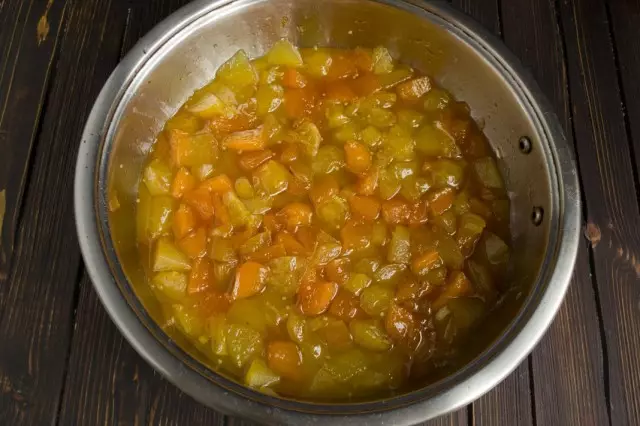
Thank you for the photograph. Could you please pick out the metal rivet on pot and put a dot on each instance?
(525, 145)
(537, 215)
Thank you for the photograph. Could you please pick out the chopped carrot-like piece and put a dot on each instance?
(237, 123)
(270, 223)
(366, 207)
(296, 215)
(355, 236)
(357, 156)
(413, 90)
(201, 276)
(290, 153)
(220, 184)
(427, 261)
(396, 211)
(338, 270)
(307, 237)
(252, 160)
(368, 183)
(441, 201)
(290, 244)
(194, 245)
(293, 79)
(314, 298)
(366, 84)
(212, 302)
(297, 187)
(184, 221)
(363, 59)
(268, 253)
(222, 213)
(458, 285)
(183, 182)
(250, 280)
(340, 91)
(299, 103)
(419, 213)
(246, 140)
(399, 323)
(201, 201)
(342, 66)
(346, 306)
(285, 359)
(324, 189)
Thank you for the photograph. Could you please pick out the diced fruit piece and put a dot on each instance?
(220, 184)
(293, 79)
(368, 183)
(446, 221)
(333, 213)
(243, 188)
(357, 282)
(243, 343)
(487, 173)
(218, 334)
(272, 178)
(375, 299)
(382, 60)
(399, 322)
(246, 140)
(329, 159)
(338, 270)
(183, 182)
(389, 80)
(200, 200)
(201, 276)
(238, 72)
(208, 105)
(171, 284)
(457, 285)
(296, 214)
(184, 121)
(432, 141)
(250, 280)
(157, 177)
(314, 298)
(426, 262)
(367, 208)
(255, 243)
(249, 312)
(409, 119)
(268, 97)
(400, 246)
(450, 253)
(309, 137)
(167, 257)
(192, 150)
(389, 275)
(238, 213)
(345, 306)
(436, 99)
(482, 281)
(325, 253)
(447, 173)
(355, 236)
(396, 211)
(469, 231)
(284, 53)
(299, 103)
(285, 359)
(358, 157)
(259, 375)
(184, 221)
(187, 320)
(370, 335)
(296, 328)
(251, 160)
(413, 90)
(441, 201)
(221, 250)
(154, 216)
(388, 184)
(194, 244)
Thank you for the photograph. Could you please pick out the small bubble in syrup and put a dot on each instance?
(350, 32)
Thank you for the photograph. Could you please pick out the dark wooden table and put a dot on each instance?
(62, 360)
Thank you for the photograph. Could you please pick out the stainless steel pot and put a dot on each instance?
(183, 52)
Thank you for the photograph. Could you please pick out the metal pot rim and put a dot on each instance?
(461, 388)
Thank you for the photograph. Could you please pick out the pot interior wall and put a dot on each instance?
(188, 60)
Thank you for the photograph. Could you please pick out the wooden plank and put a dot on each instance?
(570, 355)
(24, 74)
(612, 209)
(511, 399)
(625, 26)
(111, 384)
(37, 318)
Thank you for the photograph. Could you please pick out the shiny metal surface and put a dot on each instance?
(182, 53)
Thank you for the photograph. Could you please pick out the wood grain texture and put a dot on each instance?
(37, 317)
(606, 169)
(24, 75)
(625, 28)
(570, 356)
